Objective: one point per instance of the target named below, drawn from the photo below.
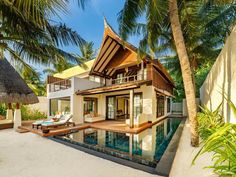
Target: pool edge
(164, 165)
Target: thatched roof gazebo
(13, 89)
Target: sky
(89, 23)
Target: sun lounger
(64, 121)
(38, 123)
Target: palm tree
(87, 52)
(28, 34)
(58, 67)
(31, 77)
(186, 70)
(203, 40)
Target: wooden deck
(109, 125)
(55, 131)
(117, 126)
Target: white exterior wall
(148, 106)
(76, 107)
(221, 80)
(76, 102)
(41, 105)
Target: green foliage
(87, 53)
(28, 114)
(200, 75)
(28, 35)
(3, 110)
(219, 138)
(209, 121)
(223, 144)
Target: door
(111, 107)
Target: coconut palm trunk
(186, 71)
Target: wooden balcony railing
(60, 85)
(125, 79)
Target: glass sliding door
(160, 105)
(90, 106)
(111, 107)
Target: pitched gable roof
(113, 46)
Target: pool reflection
(150, 144)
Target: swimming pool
(146, 147)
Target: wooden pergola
(14, 90)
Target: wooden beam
(109, 56)
(104, 56)
(110, 71)
(106, 44)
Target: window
(90, 105)
(160, 105)
(168, 105)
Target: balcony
(59, 85)
(131, 78)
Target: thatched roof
(13, 88)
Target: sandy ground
(29, 155)
(182, 167)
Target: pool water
(146, 147)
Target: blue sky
(89, 22)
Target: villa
(114, 86)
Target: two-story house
(132, 91)
(114, 86)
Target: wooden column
(9, 106)
(131, 102)
(142, 70)
(17, 105)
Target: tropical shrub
(219, 138)
(209, 121)
(223, 145)
(2, 110)
(29, 114)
